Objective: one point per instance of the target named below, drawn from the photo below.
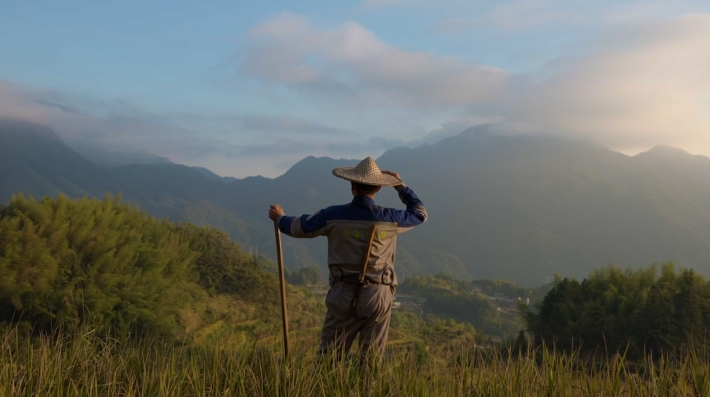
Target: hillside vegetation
(632, 311)
(74, 264)
(105, 264)
(489, 305)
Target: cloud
(273, 148)
(644, 84)
(351, 62)
(16, 102)
(286, 125)
(63, 108)
(451, 128)
(297, 149)
(231, 145)
(237, 145)
(641, 83)
(520, 16)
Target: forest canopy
(625, 310)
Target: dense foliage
(221, 266)
(104, 263)
(633, 310)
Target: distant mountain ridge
(34, 160)
(514, 207)
(115, 158)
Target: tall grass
(93, 365)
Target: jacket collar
(363, 200)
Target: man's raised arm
(415, 214)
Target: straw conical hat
(368, 173)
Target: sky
(251, 87)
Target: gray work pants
(372, 322)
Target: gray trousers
(372, 323)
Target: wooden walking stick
(282, 281)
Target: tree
(309, 275)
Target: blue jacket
(349, 227)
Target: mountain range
(519, 207)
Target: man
(362, 240)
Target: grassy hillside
(90, 366)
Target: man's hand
(275, 211)
(394, 174)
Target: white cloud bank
(648, 85)
(350, 61)
(643, 84)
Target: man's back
(348, 228)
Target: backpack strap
(361, 279)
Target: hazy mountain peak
(114, 158)
(206, 172)
(312, 165)
(479, 130)
(12, 126)
(477, 133)
(671, 155)
(664, 150)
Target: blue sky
(248, 88)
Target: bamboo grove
(109, 265)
